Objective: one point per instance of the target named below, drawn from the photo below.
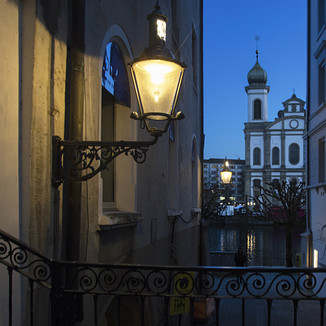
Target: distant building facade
(212, 169)
(273, 150)
(316, 135)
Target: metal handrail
(68, 282)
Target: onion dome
(257, 75)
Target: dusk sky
(230, 28)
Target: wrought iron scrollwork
(21, 258)
(81, 160)
(162, 281)
(254, 283)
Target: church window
(256, 185)
(257, 109)
(294, 153)
(275, 156)
(321, 160)
(321, 83)
(256, 154)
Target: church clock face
(294, 124)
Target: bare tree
(284, 204)
(211, 197)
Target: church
(273, 150)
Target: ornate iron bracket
(82, 160)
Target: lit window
(294, 153)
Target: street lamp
(157, 78)
(226, 174)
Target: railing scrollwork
(69, 282)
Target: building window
(294, 153)
(321, 83)
(257, 110)
(114, 74)
(256, 155)
(321, 14)
(275, 156)
(255, 188)
(115, 111)
(321, 160)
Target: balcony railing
(69, 285)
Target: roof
(257, 75)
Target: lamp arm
(82, 160)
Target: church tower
(273, 150)
(257, 93)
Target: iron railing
(70, 283)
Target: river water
(264, 244)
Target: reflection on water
(265, 244)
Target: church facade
(273, 150)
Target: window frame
(292, 152)
(274, 155)
(122, 167)
(256, 158)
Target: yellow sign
(183, 285)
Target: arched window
(256, 154)
(257, 109)
(115, 109)
(294, 153)
(275, 156)
(114, 74)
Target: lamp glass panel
(157, 83)
(226, 176)
(161, 29)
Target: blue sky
(230, 28)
